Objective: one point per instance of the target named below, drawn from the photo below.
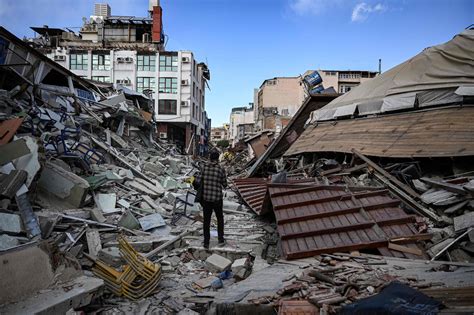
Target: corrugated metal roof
(326, 219)
(443, 132)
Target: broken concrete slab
(464, 221)
(25, 270)
(169, 183)
(76, 293)
(124, 203)
(156, 187)
(111, 256)
(150, 202)
(129, 221)
(142, 188)
(239, 264)
(66, 186)
(106, 202)
(156, 168)
(151, 221)
(97, 215)
(93, 242)
(11, 183)
(7, 241)
(10, 223)
(13, 150)
(217, 263)
(29, 162)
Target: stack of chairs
(139, 277)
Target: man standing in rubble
(211, 180)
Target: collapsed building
(362, 197)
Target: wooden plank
(405, 249)
(381, 171)
(446, 186)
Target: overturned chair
(139, 277)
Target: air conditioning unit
(185, 59)
(121, 59)
(59, 58)
(184, 103)
(184, 82)
(163, 135)
(128, 59)
(124, 81)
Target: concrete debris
(55, 182)
(7, 241)
(217, 263)
(106, 202)
(151, 221)
(10, 223)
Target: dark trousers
(208, 207)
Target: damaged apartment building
(129, 51)
(279, 98)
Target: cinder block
(217, 263)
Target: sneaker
(206, 246)
(221, 244)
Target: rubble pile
(329, 282)
(89, 179)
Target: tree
(223, 143)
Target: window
(101, 78)
(168, 85)
(146, 63)
(194, 89)
(78, 61)
(100, 62)
(349, 75)
(167, 107)
(271, 82)
(145, 83)
(330, 73)
(345, 88)
(168, 63)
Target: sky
(245, 42)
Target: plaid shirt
(214, 178)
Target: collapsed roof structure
(420, 108)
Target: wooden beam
(446, 186)
(386, 174)
(404, 249)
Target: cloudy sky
(245, 42)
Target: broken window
(168, 63)
(167, 107)
(168, 85)
(78, 61)
(100, 62)
(146, 63)
(145, 83)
